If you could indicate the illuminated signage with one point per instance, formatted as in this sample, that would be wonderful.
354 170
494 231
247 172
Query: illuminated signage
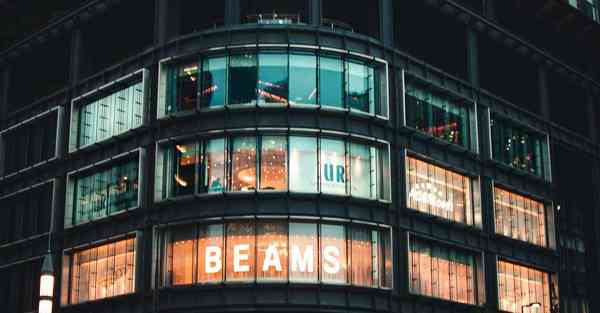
427 193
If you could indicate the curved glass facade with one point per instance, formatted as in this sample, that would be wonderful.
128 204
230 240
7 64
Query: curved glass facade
268 162
278 250
277 78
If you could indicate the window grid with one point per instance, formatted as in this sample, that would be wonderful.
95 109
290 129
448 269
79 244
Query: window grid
519 286
520 217
268 250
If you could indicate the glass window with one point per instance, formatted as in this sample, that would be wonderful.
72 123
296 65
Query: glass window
272 84
184 171
362 256
182 271
214 81
517 147
520 217
441 272
102 272
437 115
214 172
437 191
359 80
303 164
273 163
243 168
333 254
303 79
331 82
333 166
187 87
519 286
240 251
210 253
112 190
271 249
360 166
304 252
242 79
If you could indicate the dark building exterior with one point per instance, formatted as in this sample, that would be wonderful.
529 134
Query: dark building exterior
300 156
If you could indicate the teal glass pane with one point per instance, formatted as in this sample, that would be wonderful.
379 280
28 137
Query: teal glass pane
303 164
214 82
357 84
517 147
214 165
272 86
303 79
331 82
333 166
242 79
437 115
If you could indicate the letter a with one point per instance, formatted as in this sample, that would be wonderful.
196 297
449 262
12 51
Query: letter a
272 259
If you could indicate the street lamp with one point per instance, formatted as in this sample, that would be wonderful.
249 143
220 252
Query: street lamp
46 285
534 305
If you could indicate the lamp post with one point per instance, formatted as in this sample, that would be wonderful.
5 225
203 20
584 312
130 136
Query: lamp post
534 305
46 285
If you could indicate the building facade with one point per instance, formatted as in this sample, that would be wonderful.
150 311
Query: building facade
301 156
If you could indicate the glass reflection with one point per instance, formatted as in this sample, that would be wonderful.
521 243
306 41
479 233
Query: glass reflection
243 168
214 81
303 164
184 176
272 86
520 217
182 256
333 166
331 82
271 249
362 256
359 79
360 167
303 79
187 87
242 78
215 165
240 251
304 245
273 163
333 254
518 286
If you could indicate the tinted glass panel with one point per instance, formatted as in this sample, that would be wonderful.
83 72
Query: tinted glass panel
331 82
214 172
243 168
214 81
333 166
303 79
242 79
519 286
273 163
303 164
272 84
359 79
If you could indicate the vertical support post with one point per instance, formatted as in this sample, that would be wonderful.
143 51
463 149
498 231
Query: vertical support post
315 12
543 90
77 55
4 83
386 22
592 123
489 9
473 57
167 20
232 12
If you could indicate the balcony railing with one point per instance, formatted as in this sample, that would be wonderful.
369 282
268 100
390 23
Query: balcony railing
273 18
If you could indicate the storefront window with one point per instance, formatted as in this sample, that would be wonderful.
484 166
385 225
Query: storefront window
242 79
437 191
304 250
518 147
214 172
519 286
333 166
100 272
273 163
438 115
111 190
303 79
184 168
279 250
442 272
303 164
360 81
271 249
214 81
240 251
520 217
272 87
331 82
243 168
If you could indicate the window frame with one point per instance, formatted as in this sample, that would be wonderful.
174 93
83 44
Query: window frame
24 124
87 171
380 66
470 105
141 76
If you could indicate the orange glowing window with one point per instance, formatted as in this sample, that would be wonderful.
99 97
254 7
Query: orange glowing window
520 217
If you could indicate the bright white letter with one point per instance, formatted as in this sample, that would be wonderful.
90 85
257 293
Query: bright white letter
332 264
212 260
238 257
302 263
272 259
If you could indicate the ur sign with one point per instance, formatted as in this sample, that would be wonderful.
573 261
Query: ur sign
301 259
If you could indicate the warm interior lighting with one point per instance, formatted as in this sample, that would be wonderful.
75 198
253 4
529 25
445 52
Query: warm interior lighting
46 285
45 306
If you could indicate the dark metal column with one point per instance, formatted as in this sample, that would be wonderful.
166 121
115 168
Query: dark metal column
543 90
4 81
315 12
386 22
232 12
77 57
592 110
489 9
167 20
473 57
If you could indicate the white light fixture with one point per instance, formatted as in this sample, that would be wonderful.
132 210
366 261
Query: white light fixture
46 285
534 305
